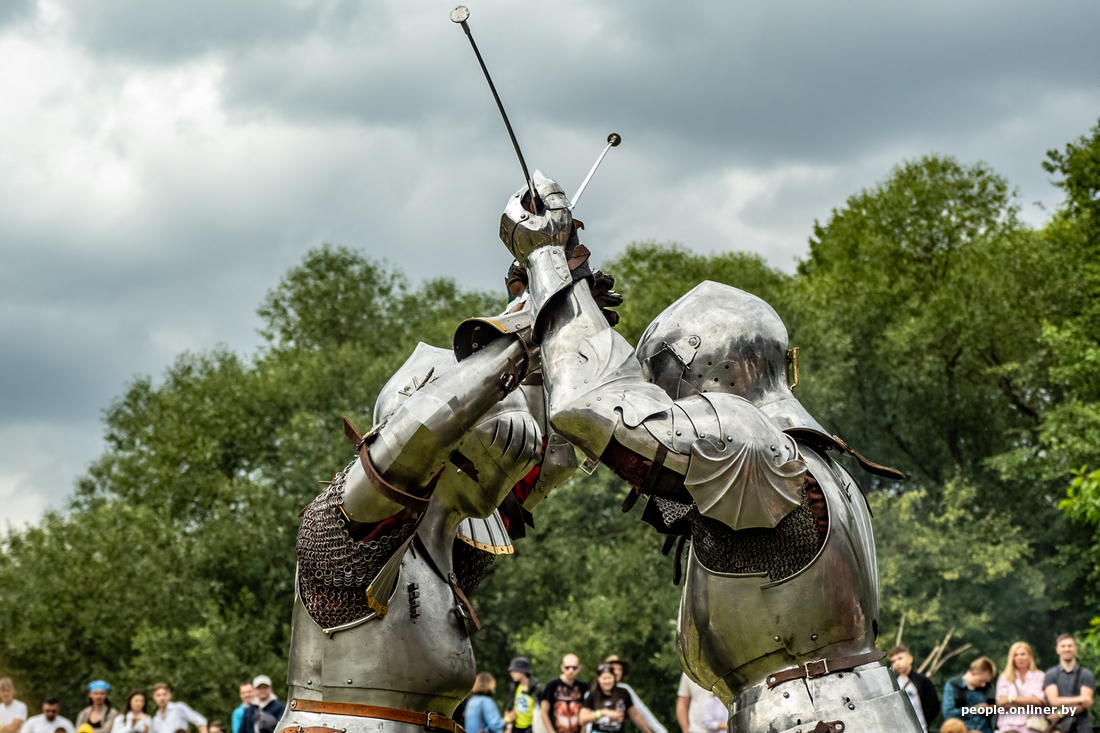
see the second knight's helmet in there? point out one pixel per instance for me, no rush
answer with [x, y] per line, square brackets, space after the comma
[717, 338]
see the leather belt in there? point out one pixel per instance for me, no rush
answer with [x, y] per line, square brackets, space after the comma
[428, 720]
[822, 667]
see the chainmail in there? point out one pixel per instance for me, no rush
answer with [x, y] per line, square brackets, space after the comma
[671, 511]
[780, 552]
[334, 570]
[471, 565]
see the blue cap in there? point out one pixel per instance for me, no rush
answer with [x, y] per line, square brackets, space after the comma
[98, 685]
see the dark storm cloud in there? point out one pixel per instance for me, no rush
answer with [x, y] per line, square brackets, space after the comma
[12, 11]
[816, 81]
[166, 33]
[176, 158]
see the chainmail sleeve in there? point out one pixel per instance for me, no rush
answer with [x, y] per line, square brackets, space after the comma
[334, 568]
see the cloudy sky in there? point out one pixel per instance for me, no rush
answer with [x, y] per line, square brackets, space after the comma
[163, 163]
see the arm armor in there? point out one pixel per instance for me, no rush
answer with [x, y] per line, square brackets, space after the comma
[408, 447]
[735, 463]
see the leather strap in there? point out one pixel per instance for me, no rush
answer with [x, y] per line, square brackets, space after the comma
[429, 720]
[834, 726]
[452, 580]
[835, 442]
[650, 478]
[822, 667]
[389, 491]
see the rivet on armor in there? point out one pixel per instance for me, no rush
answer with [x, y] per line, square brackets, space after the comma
[293, 704]
[851, 706]
[813, 637]
[679, 432]
[786, 694]
[777, 638]
[309, 682]
[349, 682]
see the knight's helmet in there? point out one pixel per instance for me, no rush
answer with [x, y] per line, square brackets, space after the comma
[717, 338]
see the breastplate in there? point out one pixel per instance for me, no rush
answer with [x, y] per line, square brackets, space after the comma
[735, 629]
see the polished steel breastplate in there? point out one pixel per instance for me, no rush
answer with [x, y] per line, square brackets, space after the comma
[734, 630]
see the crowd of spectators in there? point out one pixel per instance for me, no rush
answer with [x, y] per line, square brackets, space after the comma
[567, 704]
[259, 712]
[1022, 699]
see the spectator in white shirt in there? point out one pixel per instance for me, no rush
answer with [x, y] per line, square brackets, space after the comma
[172, 716]
[691, 705]
[716, 717]
[50, 721]
[133, 718]
[12, 712]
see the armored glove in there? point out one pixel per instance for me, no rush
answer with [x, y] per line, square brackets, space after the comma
[525, 228]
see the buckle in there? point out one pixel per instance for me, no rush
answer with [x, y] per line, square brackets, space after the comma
[429, 724]
[817, 667]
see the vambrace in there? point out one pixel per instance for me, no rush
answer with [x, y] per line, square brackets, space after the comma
[410, 446]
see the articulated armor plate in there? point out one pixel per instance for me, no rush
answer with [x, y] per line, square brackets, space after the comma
[717, 338]
[550, 224]
[474, 334]
[863, 699]
[487, 535]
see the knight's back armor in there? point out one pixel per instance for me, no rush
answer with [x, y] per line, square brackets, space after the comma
[381, 610]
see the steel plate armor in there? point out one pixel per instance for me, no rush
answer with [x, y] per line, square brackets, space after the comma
[381, 612]
[782, 626]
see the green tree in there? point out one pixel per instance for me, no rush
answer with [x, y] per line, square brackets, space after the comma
[1071, 430]
[176, 559]
[923, 303]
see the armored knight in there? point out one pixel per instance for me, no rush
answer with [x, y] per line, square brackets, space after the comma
[779, 610]
[390, 552]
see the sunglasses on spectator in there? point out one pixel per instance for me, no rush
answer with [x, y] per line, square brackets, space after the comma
[570, 666]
